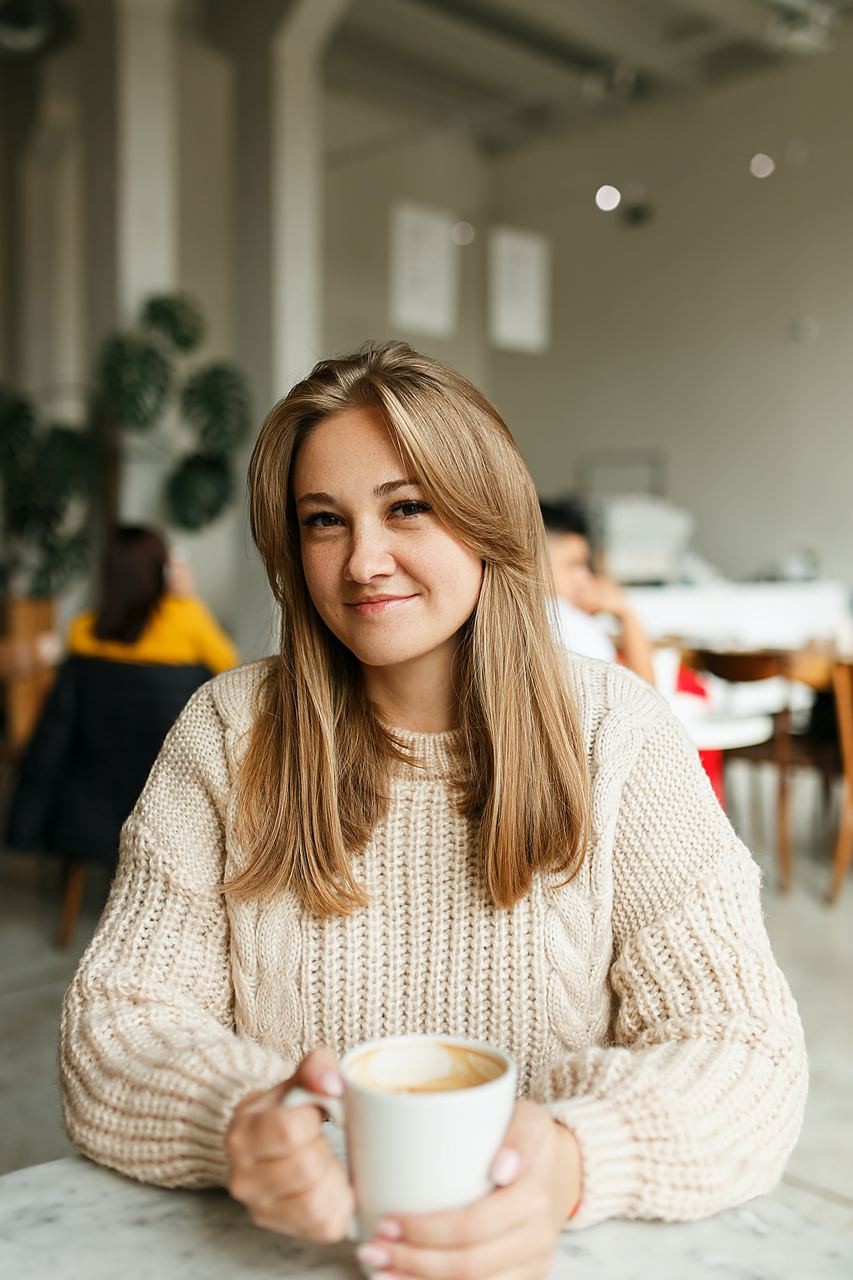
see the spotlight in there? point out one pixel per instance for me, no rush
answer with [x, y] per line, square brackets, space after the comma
[761, 166]
[608, 198]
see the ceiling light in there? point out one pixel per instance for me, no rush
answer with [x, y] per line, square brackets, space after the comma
[607, 198]
[761, 166]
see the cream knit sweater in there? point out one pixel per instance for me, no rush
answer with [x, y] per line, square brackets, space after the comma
[642, 1001]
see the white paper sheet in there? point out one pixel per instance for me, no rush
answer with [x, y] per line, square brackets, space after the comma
[424, 270]
[519, 290]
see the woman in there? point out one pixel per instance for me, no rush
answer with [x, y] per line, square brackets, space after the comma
[416, 819]
[132, 666]
[147, 611]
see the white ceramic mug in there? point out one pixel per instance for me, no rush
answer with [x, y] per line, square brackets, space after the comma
[411, 1151]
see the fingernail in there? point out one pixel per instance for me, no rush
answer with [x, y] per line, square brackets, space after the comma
[505, 1166]
[373, 1255]
[389, 1229]
[331, 1083]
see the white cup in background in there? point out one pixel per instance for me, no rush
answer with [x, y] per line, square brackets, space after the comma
[424, 1117]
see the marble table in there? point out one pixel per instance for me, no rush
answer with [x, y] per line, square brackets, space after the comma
[71, 1220]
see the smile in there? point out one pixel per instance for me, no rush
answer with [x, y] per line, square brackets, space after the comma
[379, 605]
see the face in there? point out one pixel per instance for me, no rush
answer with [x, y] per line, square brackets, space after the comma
[570, 555]
[387, 579]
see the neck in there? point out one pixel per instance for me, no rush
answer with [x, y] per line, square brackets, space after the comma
[416, 695]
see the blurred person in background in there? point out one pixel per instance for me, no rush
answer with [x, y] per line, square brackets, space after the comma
[584, 597]
[131, 667]
[147, 610]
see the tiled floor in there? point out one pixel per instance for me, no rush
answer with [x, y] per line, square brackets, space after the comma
[814, 945]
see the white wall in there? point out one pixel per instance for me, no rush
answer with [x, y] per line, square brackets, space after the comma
[681, 334]
[373, 162]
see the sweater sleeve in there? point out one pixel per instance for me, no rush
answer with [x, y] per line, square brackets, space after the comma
[150, 1064]
[698, 1100]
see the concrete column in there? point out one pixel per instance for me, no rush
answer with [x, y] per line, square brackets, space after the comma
[147, 149]
[18, 115]
[297, 186]
[51, 306]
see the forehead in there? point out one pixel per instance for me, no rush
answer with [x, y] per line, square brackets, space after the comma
[569, 546]
[353, 439]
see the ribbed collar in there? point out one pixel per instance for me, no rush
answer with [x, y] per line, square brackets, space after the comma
[433, 755]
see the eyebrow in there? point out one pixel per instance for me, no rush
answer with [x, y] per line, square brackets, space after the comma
[381, 491]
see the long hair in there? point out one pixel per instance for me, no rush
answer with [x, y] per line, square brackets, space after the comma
[133, 580]
[314, 778]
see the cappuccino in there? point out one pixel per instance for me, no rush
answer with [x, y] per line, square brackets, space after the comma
[432, 1067]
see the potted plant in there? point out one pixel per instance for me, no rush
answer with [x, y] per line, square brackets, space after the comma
[60, 485]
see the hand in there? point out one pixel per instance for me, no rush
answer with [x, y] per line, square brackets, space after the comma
[280, 1165]
[180, 577]
[600, 594]
[511, 1232]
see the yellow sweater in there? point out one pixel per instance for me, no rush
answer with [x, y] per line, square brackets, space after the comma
[182, 630]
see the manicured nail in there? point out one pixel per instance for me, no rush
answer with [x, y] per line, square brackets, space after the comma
[373, 1255]
[331, 1083]
[389, 1229]
[505, 1167]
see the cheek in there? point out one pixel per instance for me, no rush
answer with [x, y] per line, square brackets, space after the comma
[461, 580]
[319, 571]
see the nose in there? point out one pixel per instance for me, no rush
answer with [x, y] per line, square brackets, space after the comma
[370, 554]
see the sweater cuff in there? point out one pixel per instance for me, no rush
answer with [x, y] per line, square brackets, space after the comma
[610, 1159]
[217, 1111]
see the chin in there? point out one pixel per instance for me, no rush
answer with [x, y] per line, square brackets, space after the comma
[370, 656]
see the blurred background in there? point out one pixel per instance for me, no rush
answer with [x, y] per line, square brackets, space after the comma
[629, 221]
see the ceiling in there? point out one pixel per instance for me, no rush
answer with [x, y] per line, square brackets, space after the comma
[509, 71]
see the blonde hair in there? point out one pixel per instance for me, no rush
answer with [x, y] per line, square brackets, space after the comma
[313, 781]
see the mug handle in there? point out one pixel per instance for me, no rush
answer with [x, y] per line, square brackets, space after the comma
[333, 1109]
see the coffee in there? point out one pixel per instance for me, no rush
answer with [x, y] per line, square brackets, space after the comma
[434, 1067]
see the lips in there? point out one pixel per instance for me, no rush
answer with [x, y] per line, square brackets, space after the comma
[368, 606]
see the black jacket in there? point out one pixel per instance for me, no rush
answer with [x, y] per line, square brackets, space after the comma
[93, 747]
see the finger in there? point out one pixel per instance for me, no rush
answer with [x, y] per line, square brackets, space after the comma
[274, 1133]
[319, 1072]
[477, 1262]
[523, 1140]
[496, 1214]
[322, 1213]
[265, 1181]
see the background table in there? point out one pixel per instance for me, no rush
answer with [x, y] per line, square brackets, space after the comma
[71, 1220]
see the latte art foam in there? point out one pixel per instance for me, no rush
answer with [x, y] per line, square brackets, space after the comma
[435, 1067]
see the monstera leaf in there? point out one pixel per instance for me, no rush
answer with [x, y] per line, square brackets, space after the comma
[198, 490]
[176, 318]
[216, 401]
[66, 462]
[135, 380]
[63, 557]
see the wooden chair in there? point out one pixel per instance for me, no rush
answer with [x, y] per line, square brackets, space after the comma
[843, 685]
[784, 750]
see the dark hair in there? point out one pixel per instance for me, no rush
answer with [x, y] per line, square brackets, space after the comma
[133, 579]
[566, 515]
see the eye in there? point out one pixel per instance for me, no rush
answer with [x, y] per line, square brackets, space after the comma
[320, 520]
[409, 509]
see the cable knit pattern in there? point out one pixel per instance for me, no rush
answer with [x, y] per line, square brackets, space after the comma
[641, 1001]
